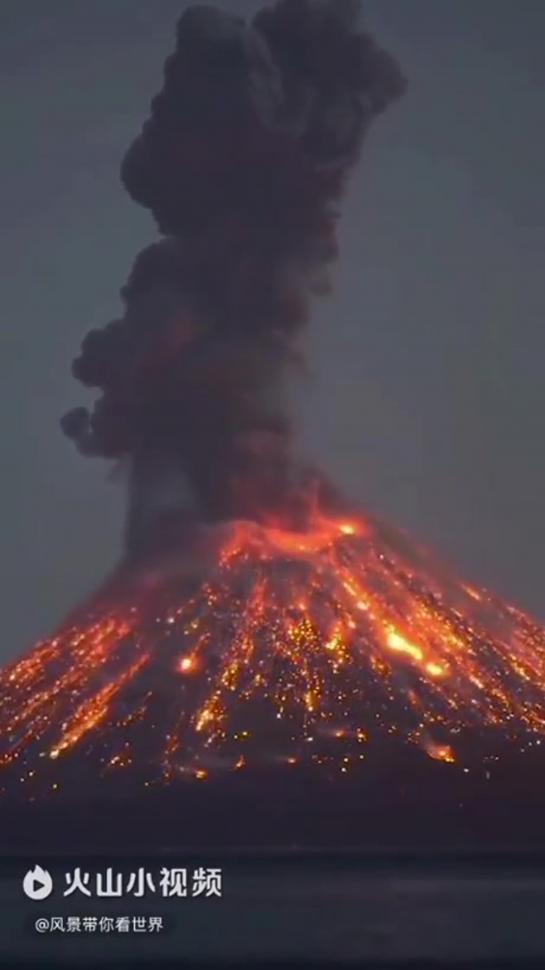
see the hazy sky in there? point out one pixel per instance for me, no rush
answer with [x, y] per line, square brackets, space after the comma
[427, 397]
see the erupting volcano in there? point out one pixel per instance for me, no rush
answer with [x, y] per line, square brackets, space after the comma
[289, 647]
[256, 619]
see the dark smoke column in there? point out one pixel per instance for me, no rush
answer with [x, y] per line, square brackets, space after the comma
[242, 162]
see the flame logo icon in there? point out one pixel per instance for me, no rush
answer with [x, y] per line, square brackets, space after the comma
[37, 883]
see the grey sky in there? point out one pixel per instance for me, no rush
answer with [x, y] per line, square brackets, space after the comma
[428, 396]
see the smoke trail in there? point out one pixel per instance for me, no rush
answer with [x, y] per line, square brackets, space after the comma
[242, 163]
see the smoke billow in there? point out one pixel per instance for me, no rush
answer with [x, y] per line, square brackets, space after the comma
[242, 163]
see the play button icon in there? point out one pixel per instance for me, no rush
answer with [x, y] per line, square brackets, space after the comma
[37, 883]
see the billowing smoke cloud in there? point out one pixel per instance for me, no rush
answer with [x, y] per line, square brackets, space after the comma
[242, 163]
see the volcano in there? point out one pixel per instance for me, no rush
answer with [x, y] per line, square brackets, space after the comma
[266, 647]
[259, 626]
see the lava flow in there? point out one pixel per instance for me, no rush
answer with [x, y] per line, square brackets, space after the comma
[294, 648]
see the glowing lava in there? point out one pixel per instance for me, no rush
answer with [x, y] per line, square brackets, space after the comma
[290, 647]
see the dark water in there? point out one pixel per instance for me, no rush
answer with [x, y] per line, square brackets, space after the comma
[308, 908]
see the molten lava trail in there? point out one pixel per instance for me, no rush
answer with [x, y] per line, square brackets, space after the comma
[296, 647]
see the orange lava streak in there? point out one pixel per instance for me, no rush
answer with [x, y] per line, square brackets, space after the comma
[93, 710]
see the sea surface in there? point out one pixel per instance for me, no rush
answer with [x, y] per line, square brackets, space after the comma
[376, 910]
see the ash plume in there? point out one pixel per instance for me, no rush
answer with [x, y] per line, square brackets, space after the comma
[242, 163]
